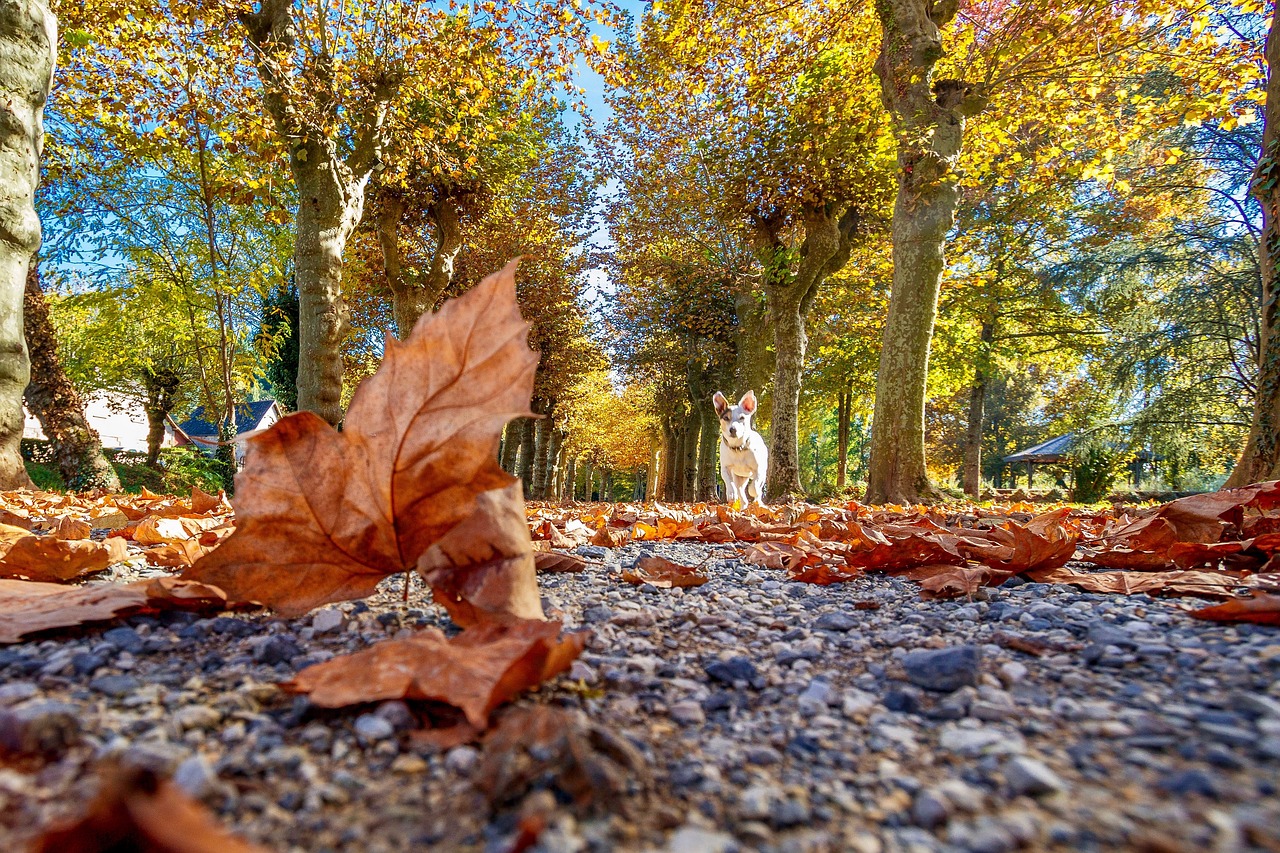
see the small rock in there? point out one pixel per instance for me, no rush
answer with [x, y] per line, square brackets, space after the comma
[40, 726]
[197, 717]
[275, 649]
[855, 702]
[1028, 776]
[115, 685]
[599, 613]
[397, 713]
[930, 809]
[1012, 672]
[835, 622]
[756, 802]
[974, 742]
[1185, 782]
[195, 776]
[737, 668]
[17, 691]
[462, 759]
[816, 698]
[695, 839]
[762, 755]
[125, 639]
[329, 619]
[592, 552]
[688, 713]
[580, 671]
[943, 669]
[370, 728]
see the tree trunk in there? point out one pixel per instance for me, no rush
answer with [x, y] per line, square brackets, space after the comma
[541, 449]
[331, 185]
[587, 474]
[28, 46]
[843, 407]
[162, 388]
[1261, 457]
[551, 476]
[655, 461]
[528, 445]
[708, 443]
[972, 479]
[568, 492]
[929, 118]
[511, 445]
[606, 486]
[790, 344]
[689, 458]
[415, 292]
[670, 460]
[54, 400]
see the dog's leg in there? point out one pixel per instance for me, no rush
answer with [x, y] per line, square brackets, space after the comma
[730, 491]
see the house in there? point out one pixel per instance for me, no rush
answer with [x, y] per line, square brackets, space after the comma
[250, 417]
[1057, 451]
[118, 419]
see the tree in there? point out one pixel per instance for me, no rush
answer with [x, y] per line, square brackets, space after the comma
[1014, 57]
[28, 42]
[1260, 459]
[53, 399]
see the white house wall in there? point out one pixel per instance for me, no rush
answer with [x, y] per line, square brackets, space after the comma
[120, 423]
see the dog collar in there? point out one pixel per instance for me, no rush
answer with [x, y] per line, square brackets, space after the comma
[724, 440]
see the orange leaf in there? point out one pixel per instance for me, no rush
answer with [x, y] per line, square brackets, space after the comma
[550, 561]
[43, 558]
[664, 574]
[412, 481]
[134, 810]
[475, 672]
[1264, 609]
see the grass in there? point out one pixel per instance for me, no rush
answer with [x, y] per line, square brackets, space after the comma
[134, 477]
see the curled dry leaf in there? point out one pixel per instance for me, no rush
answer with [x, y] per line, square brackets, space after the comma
[664, 574]
[1210, 584]
[1262, 609]
[412, 481]
[475, 672]
[551, 562]
[27, 607]
[203, 503]
[610, 537]
[45, 558]
[72, 528]
[135, 810]
[955, 581]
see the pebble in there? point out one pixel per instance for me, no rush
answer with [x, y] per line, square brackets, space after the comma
[696, 839]
[328, 620]
[115, 685]
[195, 776]
[1029, 776]
[125, 639]
[370, 728]
[735, 669]
[943, 670]
[462, 759]
[835, 622]
[688, 713]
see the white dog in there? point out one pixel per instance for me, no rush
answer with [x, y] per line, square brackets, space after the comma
[744, 458]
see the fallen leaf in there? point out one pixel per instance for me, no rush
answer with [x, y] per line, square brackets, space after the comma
[824, 574]
[27, 607]
[550, 561]
[664, 574]
[475, 672]
[955, 581]
[609, 537]
[42, 558]
[203, 503]
[1214, 584]
[72, 528]
[412, 481]
[1262, 608]
[135, 810]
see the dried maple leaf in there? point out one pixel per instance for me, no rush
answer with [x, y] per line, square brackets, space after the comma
[72, 528]
[203, 503]
[550, 561]
[412, 481]
[1215, 584]
[955, 581]
[663, 573]
[157, 530]
[27, 607]
[135, 810]
[1045, 542]
[41, 558]
[475, 672]
[1263, 609]
[609, 537]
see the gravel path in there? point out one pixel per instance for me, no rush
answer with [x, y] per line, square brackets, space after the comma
[745, 714]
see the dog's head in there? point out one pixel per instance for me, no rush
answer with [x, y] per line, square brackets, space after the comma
[735, 421]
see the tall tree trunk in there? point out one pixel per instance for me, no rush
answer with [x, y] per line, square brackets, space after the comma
[929, 118]
[654, 472]
[606, 486]
[689, 458]
[331, 155]
[551, 475]
[708, 444]
[1260, 459]
[843, 406]
[511, 445]
[829, 233]
[28, 46]
[162, 387]
[542, 454]
[670, 452]
[528, 448]
[54, 400]
[587, 474]
[414, 292]
[569, 490]
[972, 478]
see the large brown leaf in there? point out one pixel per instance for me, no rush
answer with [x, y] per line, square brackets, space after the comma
[663, 573]
[137, 811]
[412, 481]
[1263, 608]
[24, 554]
[1210, 584]
[475, 672]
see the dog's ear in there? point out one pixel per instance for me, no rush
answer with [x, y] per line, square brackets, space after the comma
[721, 404]
[748, 402]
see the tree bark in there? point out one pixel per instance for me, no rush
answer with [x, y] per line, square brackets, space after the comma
[587, 475]
[972, 478]
[843, 406]
[689, 458]
[541, 454]
[673, 446]
[55, 402]
[511, 445]
[829, 233]
[929, 117]
[654, 471]
[414, 292]
[1260, 459]
[569, 488]
[708, 444]
[162, 387]
[528, 448]
[28, 46]
[331, 188]
[551, 477]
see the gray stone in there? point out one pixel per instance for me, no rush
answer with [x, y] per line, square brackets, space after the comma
[696, 839]
[835, 622]
[592, 552]
[599, 613]
[397, 713]
[854, 702]
[40, 726]
[275, 649]
[737, 668]
[757, 801]
[943, 669]
[125, 639]
[1184, 782]
[329, 619]
[816, 698]
[930, 809]
[688, 713]
[370, 728]
[980, 741]
[1029, 776]
[195, 776]
[462, 759]
[115, 685]
[16, 691]
[197, 717]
